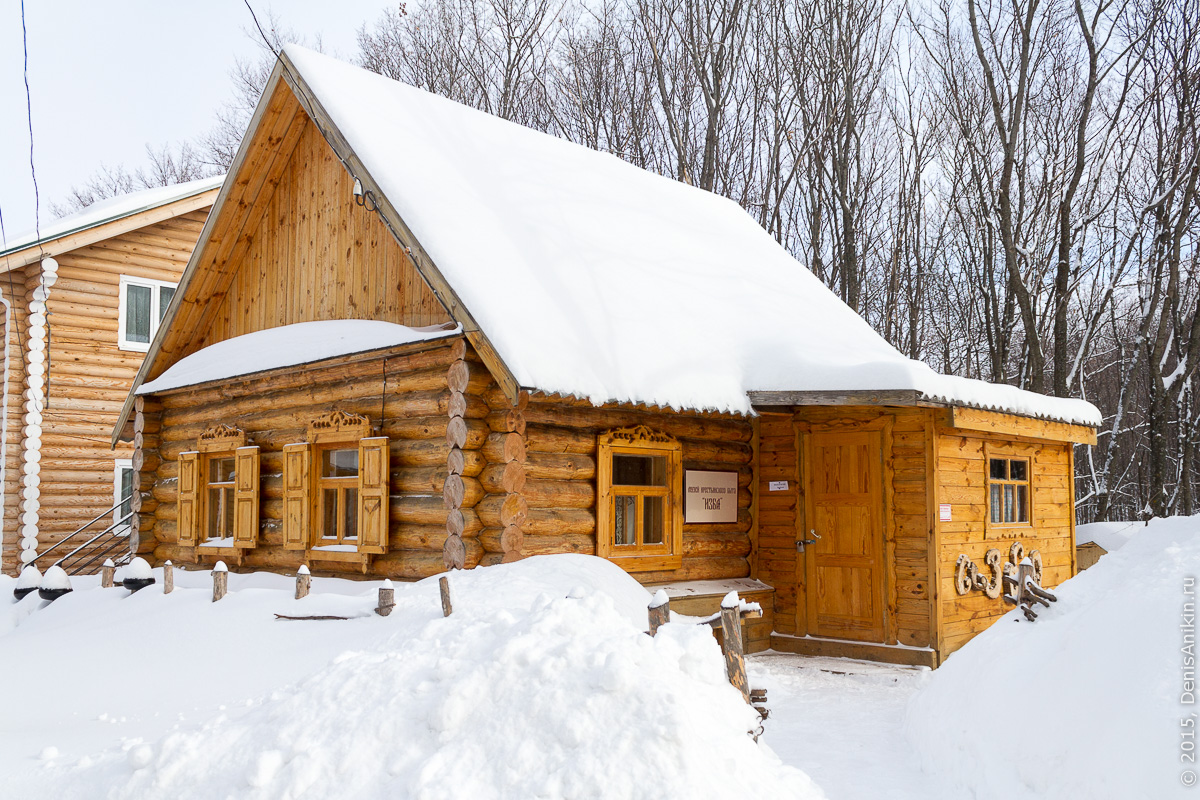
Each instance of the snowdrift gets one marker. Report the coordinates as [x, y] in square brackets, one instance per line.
[1085, 702]
[540, 684]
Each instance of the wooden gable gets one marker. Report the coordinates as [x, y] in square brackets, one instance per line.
[314, 254]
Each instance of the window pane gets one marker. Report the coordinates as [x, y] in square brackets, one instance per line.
[126, 491]
[652, 520]
[226, 511]
[329, 513]
[339, 463]
[995, 503]
[1009, 510]
[220, 470]
[999, 469]
[1022, 503]
[165, 293]
[220, 512]
[137, 313]
[1018, 470]
[639, 470]
[350, 513]
[626, 519]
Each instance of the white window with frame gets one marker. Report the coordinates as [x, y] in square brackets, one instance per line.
[143, 303]
[122, 488]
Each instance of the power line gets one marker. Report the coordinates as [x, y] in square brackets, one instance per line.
[254, 16]
[37, 210]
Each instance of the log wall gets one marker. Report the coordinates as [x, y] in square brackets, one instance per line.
[962, 482]
[12, 288]
[89, 375]
[405, 396]
[552, 501]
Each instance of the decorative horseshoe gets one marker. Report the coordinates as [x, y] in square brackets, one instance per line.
[991, 588]
[1036, 557]
[964, 574]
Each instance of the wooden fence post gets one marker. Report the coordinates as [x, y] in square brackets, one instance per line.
[387, 598]
[303, 581]
[731, 636]
[444, 587]
[659, 611]
[106, 574]
[220, 575]
[168, 577]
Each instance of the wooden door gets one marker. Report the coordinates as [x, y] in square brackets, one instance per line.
[844, 570]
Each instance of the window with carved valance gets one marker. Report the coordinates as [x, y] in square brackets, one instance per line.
[640, 508]
[335, 488]
[219, 491]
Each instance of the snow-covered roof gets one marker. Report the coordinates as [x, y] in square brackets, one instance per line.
[113, 208]
[592, 277]
[286, 346]
[1109, 535]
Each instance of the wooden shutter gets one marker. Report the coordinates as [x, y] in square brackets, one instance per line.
[297, 470]
[373, 458]
[188, 513]
[245, 497]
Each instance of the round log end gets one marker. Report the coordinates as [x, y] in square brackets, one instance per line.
[454, 553]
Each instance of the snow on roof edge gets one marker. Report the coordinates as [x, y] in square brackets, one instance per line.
[109, 210]
[289, 346]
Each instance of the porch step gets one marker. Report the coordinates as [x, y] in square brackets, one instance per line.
[865, 651]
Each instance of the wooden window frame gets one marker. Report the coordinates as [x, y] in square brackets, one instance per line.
[1006, 453]
[206, 485]
[341, 484]
[155, 287]
[303, 499]
[120, 466]
[640, 441]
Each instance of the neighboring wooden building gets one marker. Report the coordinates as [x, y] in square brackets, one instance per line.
[413, 336]
[82, 300]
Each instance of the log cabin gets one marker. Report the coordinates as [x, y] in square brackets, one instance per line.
[82, 298]
[414, 337]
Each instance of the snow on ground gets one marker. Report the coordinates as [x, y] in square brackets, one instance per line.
[1085, 702]
[841, 722]
[540, 684]
[1109, 535]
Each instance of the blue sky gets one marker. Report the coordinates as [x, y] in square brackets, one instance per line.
[109, 76]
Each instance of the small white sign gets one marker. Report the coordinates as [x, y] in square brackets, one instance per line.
[944, 513]
[710, 496]
[778, 486]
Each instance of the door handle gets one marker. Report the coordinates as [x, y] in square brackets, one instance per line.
[800, 543]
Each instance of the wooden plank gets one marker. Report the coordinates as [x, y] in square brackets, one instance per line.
[1011, 425]
[889, 654]
[769, 400]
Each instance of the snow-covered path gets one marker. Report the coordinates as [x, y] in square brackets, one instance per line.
[841, 721]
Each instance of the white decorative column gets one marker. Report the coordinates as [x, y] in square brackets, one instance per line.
[35, 404]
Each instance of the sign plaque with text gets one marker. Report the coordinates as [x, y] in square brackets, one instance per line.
[710, 496]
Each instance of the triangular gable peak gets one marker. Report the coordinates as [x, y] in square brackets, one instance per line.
[287, 242]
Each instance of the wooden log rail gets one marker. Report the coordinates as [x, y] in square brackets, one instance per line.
[729, 621]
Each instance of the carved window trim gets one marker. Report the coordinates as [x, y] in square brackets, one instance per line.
[338, 426]
[1009, 453]
[643, 441]
[219, 438]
